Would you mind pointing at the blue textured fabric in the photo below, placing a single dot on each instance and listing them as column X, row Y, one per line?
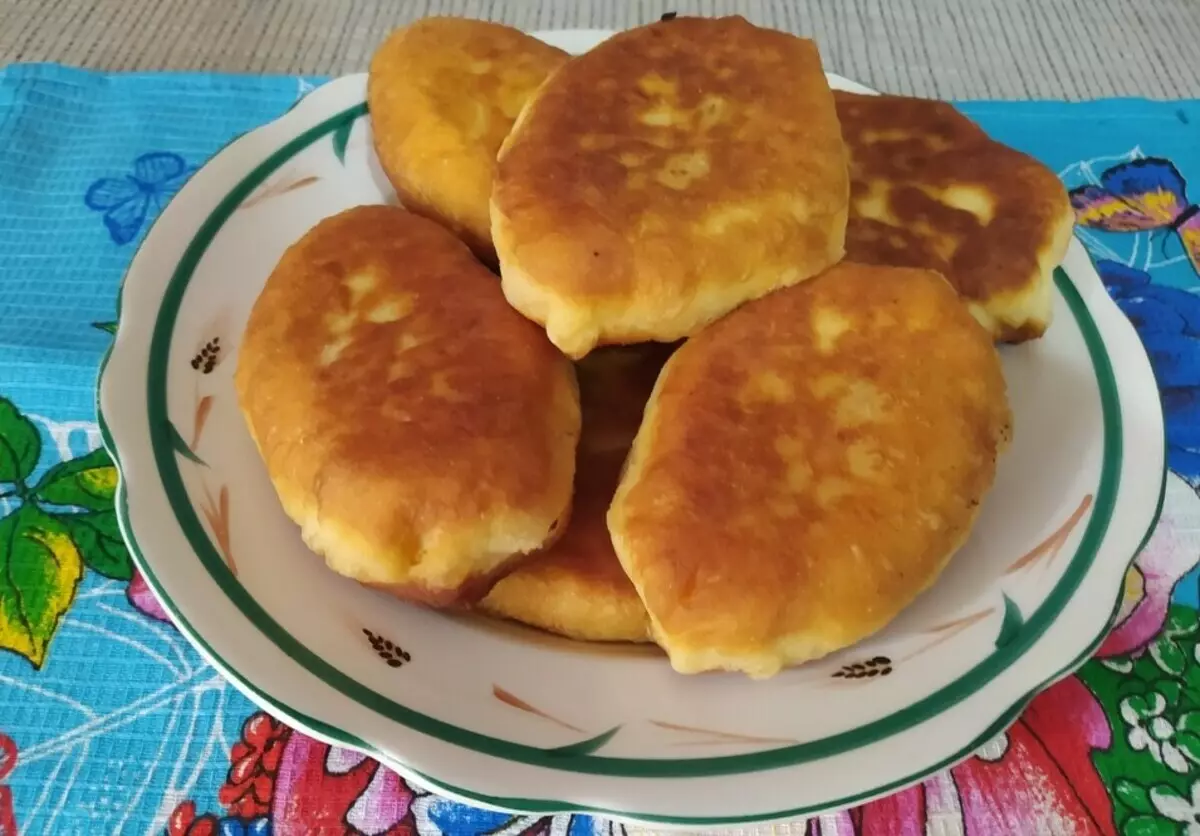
column 61, row 131
column 118, row 725
column 123, row 713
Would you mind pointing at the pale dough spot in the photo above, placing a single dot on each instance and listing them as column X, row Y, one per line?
column 712, row 111
column 864, row 460
column 944, row 245
column 983, row 316
column 391, row 310
column 334, row 350
column 976, row 201
column 440, row 387
column 341, row 323
column 770, row 386
column 861, row 403
column 800, row 210
column 663, row 115
column 359, row 285
column 401, row 367
column 681, row 170
column 828, row 325
column 721, row 219
column 653, row 84
column 874, row 204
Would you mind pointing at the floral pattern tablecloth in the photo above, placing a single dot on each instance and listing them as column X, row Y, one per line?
column 111, row 723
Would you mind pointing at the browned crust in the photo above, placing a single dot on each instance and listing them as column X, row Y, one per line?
column 785, row 499
column 918, row 149
column 664, row 177
column 418, row 429
column 443, row 93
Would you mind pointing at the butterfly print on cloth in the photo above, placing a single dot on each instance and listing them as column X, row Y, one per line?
column 1146, row 195
column 129, row 200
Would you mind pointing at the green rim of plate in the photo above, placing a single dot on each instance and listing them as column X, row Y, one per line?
column 918, row 712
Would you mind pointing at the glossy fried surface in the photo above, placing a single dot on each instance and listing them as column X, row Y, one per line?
column 577, row 588
column 420, row 431
column 930, row 189
column 808, row 465
column 443, row 93
column 666, row 176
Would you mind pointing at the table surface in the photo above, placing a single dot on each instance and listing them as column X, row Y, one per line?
column 954, row 49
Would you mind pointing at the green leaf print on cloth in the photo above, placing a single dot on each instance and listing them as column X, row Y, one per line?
column 40, row 567
column 86, row 482
column 1152, row 699
column 20, row 445
column 50, row 532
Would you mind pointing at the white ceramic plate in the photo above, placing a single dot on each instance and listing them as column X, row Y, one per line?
column 505, row 717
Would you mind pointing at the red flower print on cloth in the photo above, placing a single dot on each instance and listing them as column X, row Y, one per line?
column 249, row 785
column 254, row 761
column 285, row 783
column 1036, row 777
column 185, row 822
column 330, row 790
column 1040, row 775
column 8, row 762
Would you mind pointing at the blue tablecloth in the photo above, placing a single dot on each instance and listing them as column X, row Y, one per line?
column 110, row 722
